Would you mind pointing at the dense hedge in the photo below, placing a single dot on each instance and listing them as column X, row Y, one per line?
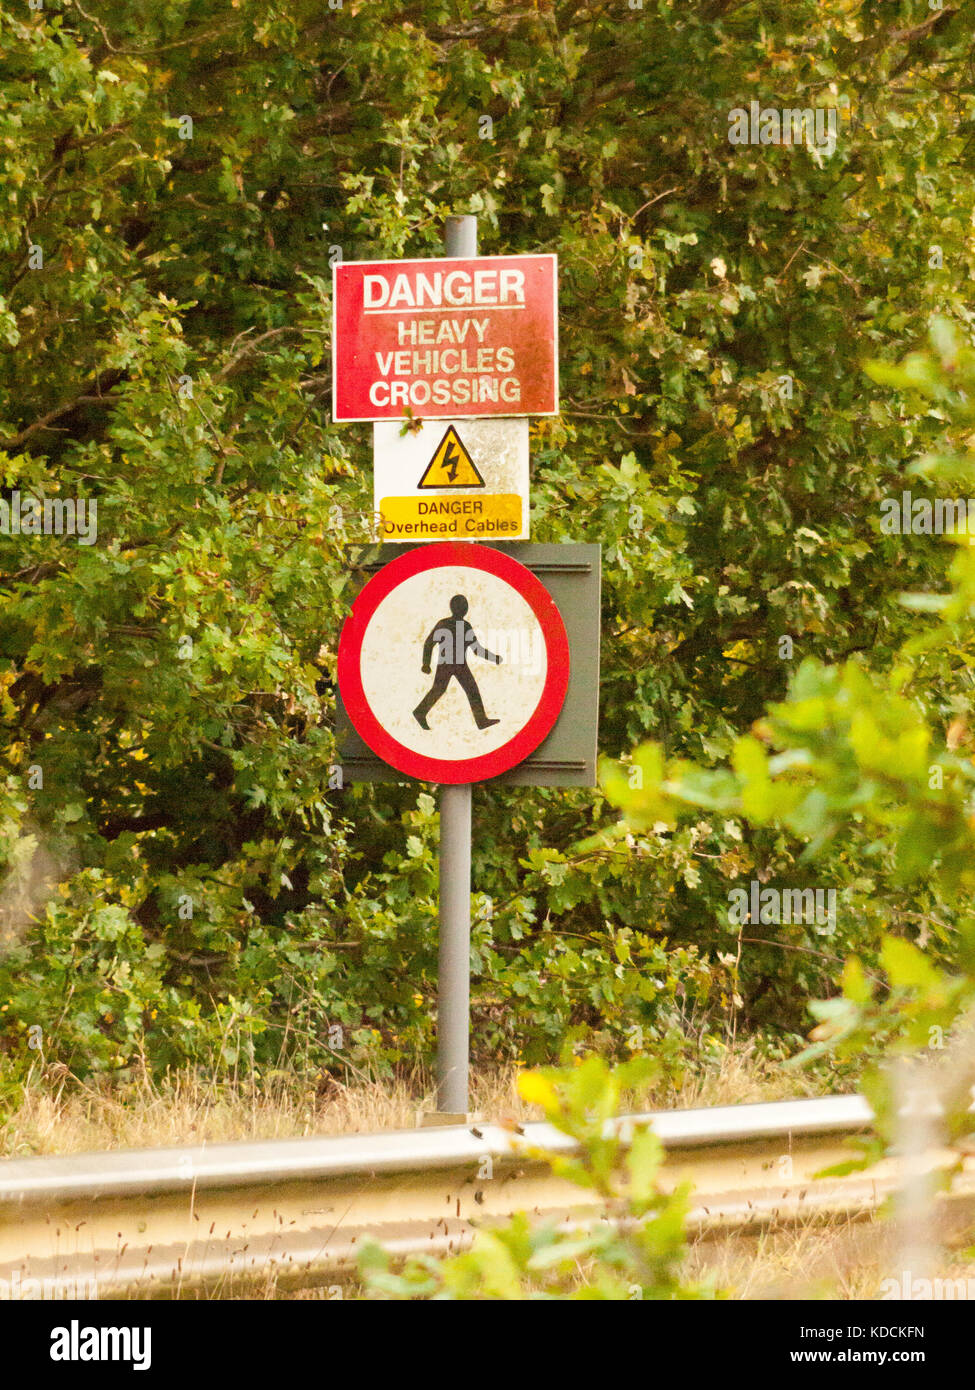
column 184, row 878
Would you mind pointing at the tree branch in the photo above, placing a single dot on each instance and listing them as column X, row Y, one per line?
column 108, row 379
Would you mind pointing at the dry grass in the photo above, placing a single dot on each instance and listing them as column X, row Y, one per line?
column 836, row 1259
column 64, row 1115
column 839, row 1260
column 742, row 1078
column 60, row 1114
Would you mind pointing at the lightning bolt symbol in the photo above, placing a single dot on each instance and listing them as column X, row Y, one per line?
column 450, row 457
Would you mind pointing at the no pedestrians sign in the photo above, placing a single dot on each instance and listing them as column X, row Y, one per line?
column 444, row 338
column 454, row 663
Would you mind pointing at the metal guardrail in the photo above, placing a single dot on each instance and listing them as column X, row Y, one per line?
column 294, row 1212
column 145, row 1172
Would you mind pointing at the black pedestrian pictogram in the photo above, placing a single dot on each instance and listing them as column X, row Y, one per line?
column 453, row 638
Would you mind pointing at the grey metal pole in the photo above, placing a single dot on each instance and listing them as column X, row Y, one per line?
column 460, row 235
column 454, row 977
column 454, row 967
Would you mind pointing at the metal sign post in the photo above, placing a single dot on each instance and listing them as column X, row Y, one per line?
column 454, row 956
column 454, row 946
column 470, row 344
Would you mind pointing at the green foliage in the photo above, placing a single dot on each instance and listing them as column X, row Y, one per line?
column 174, row 681
column 857, row 758
column 634, row 1252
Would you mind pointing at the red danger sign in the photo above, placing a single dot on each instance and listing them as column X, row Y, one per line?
column 454, row 663
column 450, row 338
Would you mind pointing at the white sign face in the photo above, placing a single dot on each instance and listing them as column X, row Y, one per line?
column 451, row 480
column 430, row 667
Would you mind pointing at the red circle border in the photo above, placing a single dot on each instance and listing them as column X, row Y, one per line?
column 438, row 555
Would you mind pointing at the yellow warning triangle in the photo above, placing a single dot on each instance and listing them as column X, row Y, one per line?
column 451, row 465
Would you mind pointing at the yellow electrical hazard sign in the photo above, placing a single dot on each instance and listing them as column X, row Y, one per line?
column 499, row 515
column 451, row 465
column 451, row 480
